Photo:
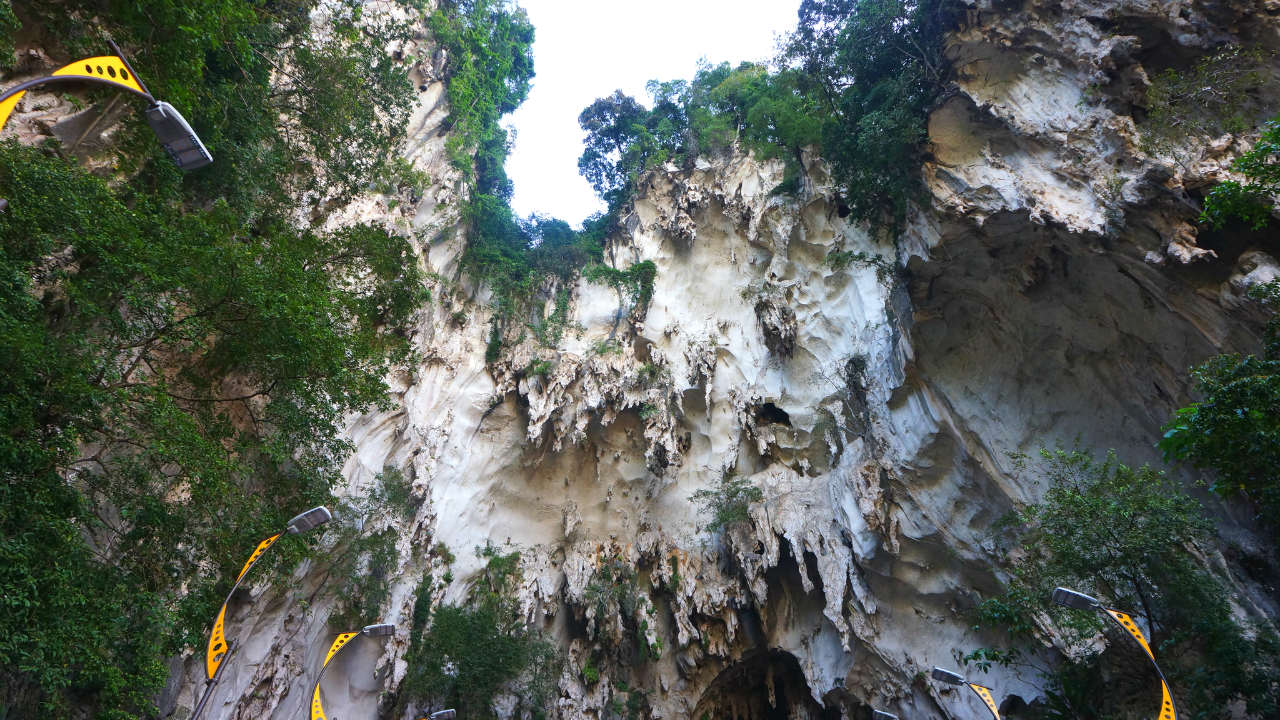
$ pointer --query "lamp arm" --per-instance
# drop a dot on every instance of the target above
(340, 642)
(984, 694)
(129, 66)
(208, 688)
(23, 87)
(217, 650)
(1168, 710)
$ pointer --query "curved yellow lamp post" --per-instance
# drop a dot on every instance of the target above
(380, 630)
(1079, 601)
(177, 137)
(218, 649)
(983, 692)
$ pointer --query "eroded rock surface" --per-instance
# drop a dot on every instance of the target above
(1052, 291)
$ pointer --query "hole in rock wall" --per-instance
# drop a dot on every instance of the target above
(766, 685)
(768, 414)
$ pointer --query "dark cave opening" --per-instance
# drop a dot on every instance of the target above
(764, 685)
(768, 414)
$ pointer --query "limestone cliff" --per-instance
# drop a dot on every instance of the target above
(1051, 290)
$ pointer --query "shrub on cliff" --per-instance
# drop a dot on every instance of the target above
(1254, 200)
(1128, 536)
(727, 502)
(489, 65)
(463, 656)
(1235, 429)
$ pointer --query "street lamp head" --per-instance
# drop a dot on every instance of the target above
(947, 676)
(312, 518)
(177, 137)
(443, 715)
(379, 630)
(1075, 600)
(882, 715)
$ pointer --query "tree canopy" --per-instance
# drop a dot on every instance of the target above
(180, 350)
(855, 82)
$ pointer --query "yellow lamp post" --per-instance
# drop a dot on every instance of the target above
(1079, 601)
(983, 692)
(218, 648)
(177, 137)
(341, 641)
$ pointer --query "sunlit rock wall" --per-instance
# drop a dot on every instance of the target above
(1052, 291)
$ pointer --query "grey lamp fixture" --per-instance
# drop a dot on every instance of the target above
(1067, 597)
(219, 649)
(1075, 600)
(882, 715)
(443, 715)
(983, 692)
(380, 630)
(173, 131)
(177, 137)
(305, 521)
(340, 642)
(946, 676)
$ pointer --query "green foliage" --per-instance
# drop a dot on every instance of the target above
(538, 368)
(362, 570)
(363, 562)
(605, 346)
(1215, 95)
(636, 281)
(490, 65)
(590, 674)
(179, 351)
(551, 330)
(856, 82)
(283, 109)
(8, 26)
(840, 260)
(614, 591)
(722, 108)
(649, 372)
(1124, 535)
(1252, 201)
(728, 501)
(877, 67)
(462, 656)
(1235, 429)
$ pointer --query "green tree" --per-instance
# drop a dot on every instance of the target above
(727, 502)
(855, 81)
(489, 65)
(462, 656)
(877, 66)
(1125, 535)
(179, 350)
(1252, 201)
(1235, 429)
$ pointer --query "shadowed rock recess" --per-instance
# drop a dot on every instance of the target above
(1049, 289)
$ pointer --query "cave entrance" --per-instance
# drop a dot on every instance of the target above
(766, 685)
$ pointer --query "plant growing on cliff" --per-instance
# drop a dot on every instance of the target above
(728, 502)
(463, 656)
(1125, 534)
(855, 81)
(1252, 201)
(488, 46)
(1215, 95)
(1235, 429)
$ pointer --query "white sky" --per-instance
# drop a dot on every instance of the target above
(585, 49)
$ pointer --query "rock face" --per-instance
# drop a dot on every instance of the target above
(1051, 292)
